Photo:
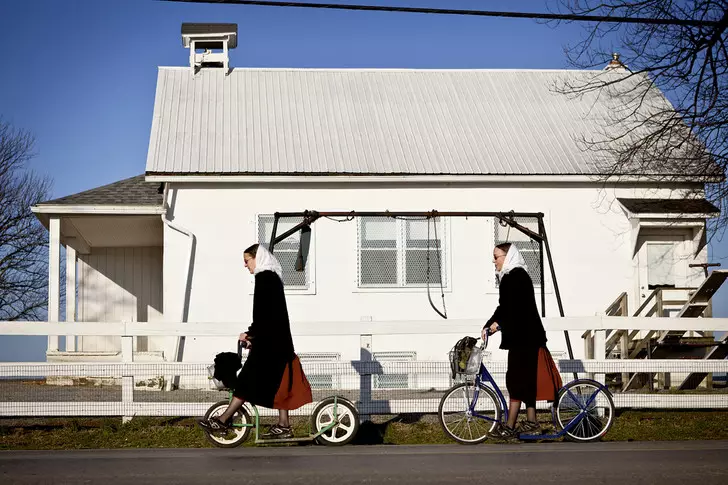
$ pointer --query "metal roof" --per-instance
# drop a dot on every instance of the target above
(132, 191)
(373, 122)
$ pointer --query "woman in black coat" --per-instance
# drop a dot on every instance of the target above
(532, 374)
(272, 376)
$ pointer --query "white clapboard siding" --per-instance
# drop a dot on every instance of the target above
(119, 285)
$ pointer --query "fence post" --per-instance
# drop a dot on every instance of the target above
(588, 338)
(365, 378)
(709, 377)
(127, 382)
(600, 351)
(624, 354)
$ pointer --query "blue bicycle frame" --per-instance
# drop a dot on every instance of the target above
(485, 377)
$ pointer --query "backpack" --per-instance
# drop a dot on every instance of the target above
(226, 367)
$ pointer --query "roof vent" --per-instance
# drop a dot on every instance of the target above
(213, 40)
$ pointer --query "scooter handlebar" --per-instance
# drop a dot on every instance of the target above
(242, 344)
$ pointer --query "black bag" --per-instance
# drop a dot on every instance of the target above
(227, 365)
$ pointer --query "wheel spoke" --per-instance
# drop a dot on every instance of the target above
(324, 418)
(589, 404)
(329, 413)
(466, 398)
(460, 425)
(598, 422)
(454, 423)
(475, 423)
(343, 421)
(594, 424)
(454, 413)
(470, 430)
(582, 427)
(464, 420)
(346, 428)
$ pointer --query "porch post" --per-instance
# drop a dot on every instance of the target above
(70, 295)
(54, 276)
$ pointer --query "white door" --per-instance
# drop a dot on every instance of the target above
(663, 259)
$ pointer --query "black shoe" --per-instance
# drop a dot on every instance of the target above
(278, 432)
(214, 425)
(503, 433)
(529, 428)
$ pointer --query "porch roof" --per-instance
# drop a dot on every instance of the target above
(669, 206)
(133, 204)
(133, 191)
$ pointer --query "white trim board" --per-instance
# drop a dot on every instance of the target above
(442, 178)
(98, 209)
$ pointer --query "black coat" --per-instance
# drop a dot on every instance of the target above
(517, 313)
(271, 343)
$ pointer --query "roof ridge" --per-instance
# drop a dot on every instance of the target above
(389, 69)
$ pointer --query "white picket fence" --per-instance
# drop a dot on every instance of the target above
(421, 394)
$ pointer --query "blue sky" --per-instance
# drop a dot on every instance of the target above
(80, 74)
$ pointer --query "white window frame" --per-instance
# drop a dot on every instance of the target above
(310, 289)
(315, 377)
(492, 287)
(401, 286)
(383, 381)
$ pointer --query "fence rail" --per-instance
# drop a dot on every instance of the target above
(605, 366)
(390, 387)
(129, 388)
(333, 328)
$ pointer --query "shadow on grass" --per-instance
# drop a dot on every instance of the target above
(371, 433)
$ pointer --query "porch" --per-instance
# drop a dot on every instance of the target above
(111, 240)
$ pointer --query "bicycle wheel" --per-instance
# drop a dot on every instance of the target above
(232, 437)
(347, 416)
(465, 424)
(586, 409)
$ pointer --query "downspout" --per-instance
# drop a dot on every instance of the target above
(184, 311)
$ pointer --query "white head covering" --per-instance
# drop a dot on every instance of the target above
(265, 261)
(512, 261)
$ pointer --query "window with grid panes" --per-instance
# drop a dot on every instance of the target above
(394, 380)
(528, 248)
(286, 251)
(393, 252)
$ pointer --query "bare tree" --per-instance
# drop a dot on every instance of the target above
(646, 135)
(23, 240)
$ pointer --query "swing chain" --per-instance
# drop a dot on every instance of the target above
(442, 313)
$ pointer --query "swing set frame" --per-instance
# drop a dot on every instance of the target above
(308, 217)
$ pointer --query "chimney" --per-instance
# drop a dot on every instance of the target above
(615, 63)
(209, 38)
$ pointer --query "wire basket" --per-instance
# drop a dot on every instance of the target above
(466, 364)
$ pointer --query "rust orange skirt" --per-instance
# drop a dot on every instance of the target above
(294, 390)
(548, 379)
(532, 375)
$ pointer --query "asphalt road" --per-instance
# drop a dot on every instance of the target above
(667, 463)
